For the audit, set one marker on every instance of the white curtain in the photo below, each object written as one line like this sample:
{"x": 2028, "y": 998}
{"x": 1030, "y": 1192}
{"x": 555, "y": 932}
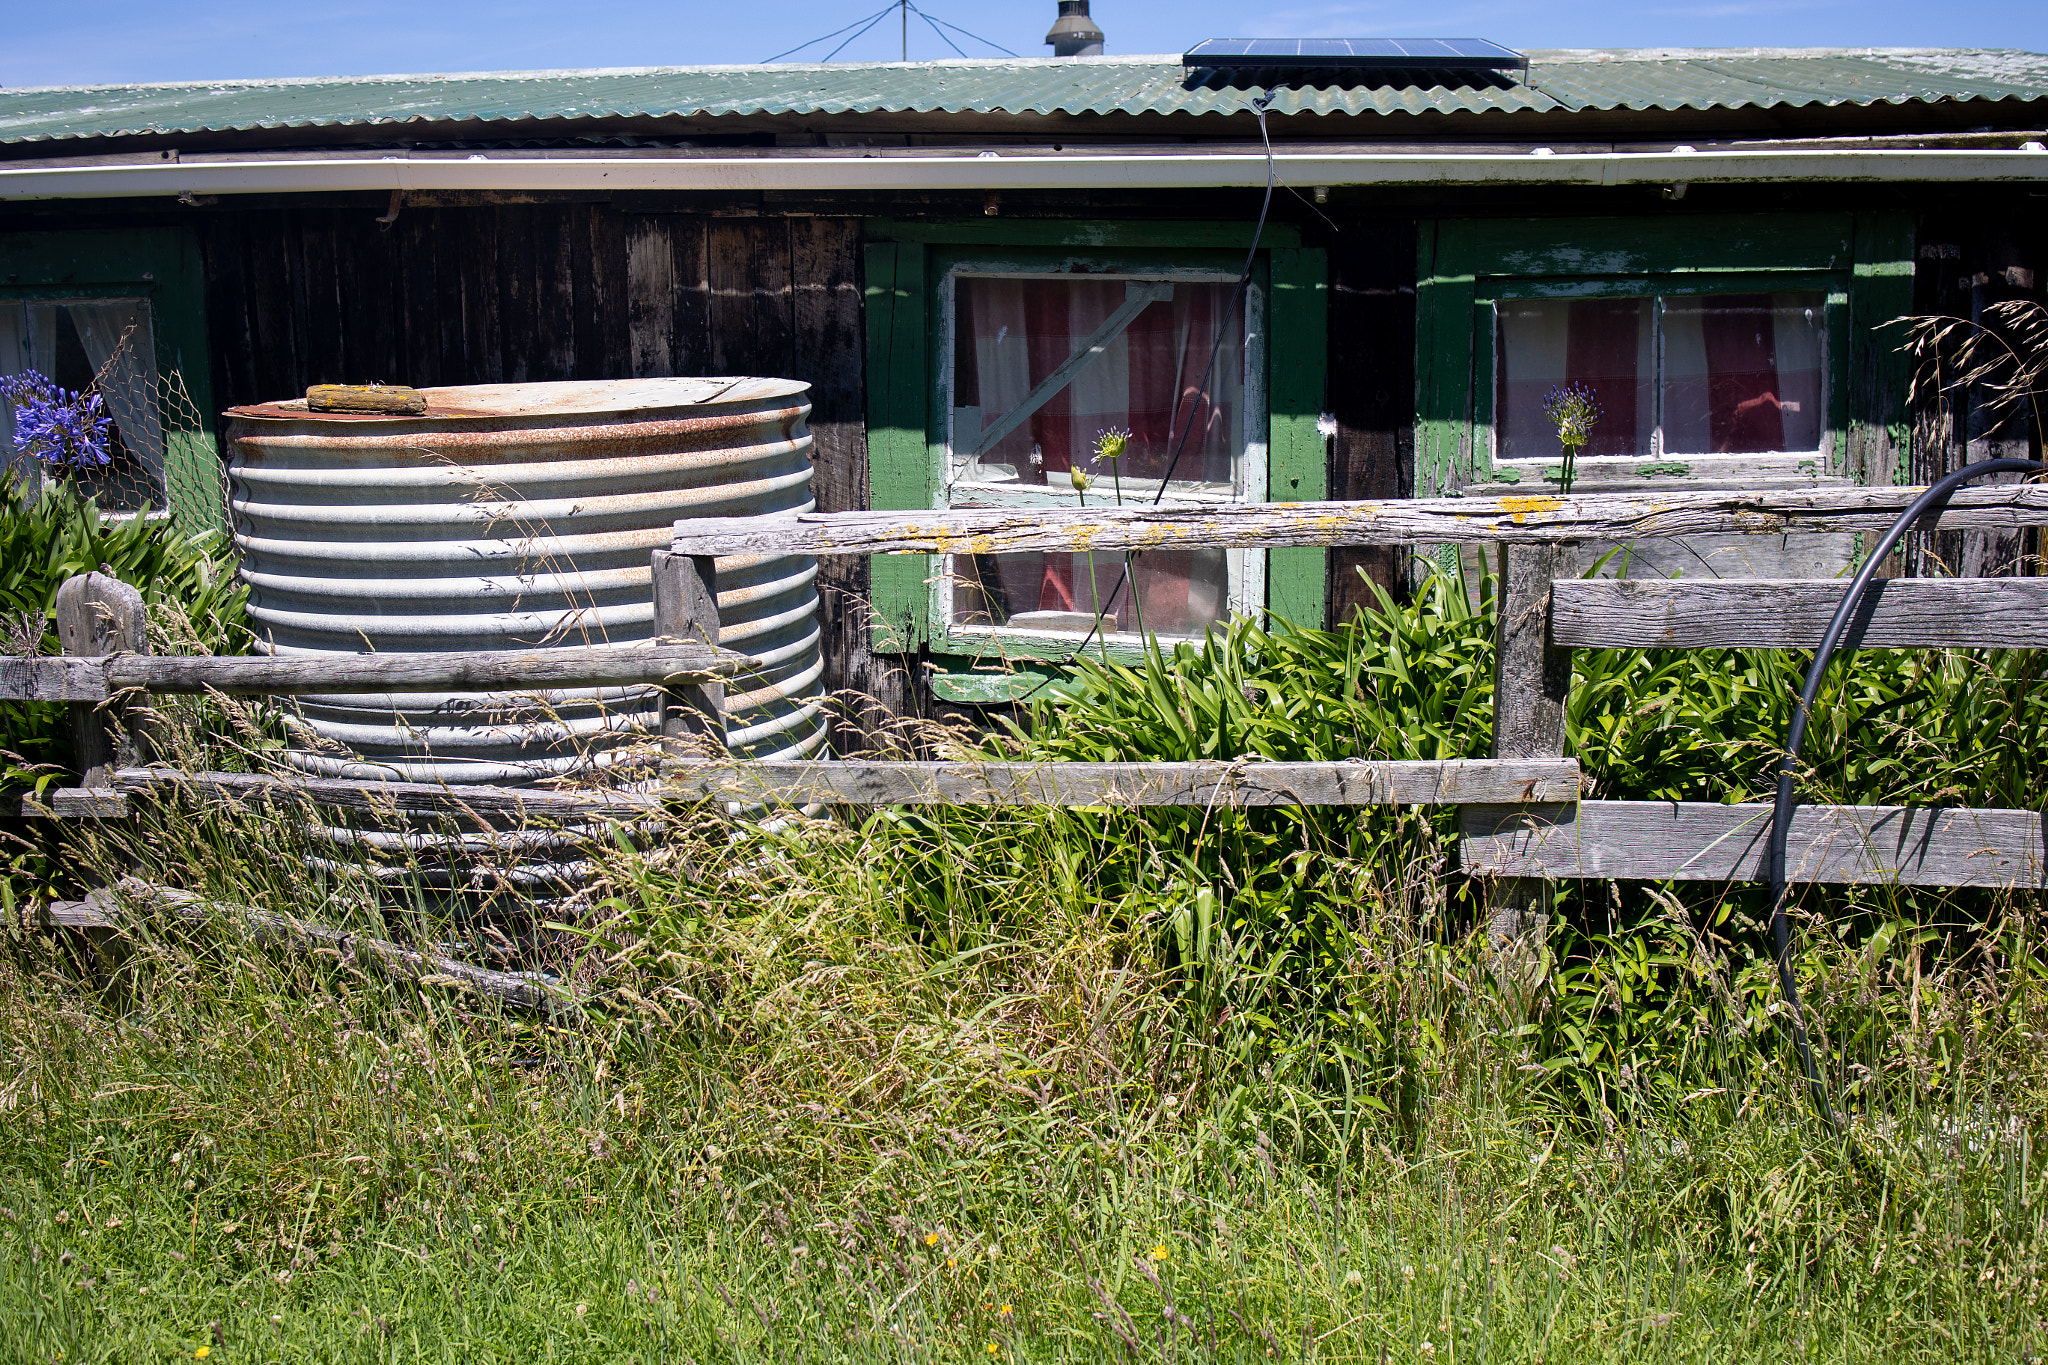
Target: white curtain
{"x": 1014, "y": 333}
{"x": 117, "y": 340}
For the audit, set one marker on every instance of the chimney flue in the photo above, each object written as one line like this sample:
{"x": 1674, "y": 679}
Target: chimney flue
{"x": 1074, "y": 34}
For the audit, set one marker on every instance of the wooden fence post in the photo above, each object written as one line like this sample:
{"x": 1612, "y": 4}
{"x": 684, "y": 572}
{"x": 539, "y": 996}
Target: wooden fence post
{"x": 1531, "y": 677}
{"x": 686, "y": 608}
{"x": 99, "y": 615}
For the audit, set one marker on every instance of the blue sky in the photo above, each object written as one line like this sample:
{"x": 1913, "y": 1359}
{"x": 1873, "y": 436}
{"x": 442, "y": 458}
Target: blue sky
{"x": 139, "y": 40}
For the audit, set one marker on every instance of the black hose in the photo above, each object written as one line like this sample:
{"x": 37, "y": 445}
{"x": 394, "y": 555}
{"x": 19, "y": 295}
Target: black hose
{"x": 1930, "y": 502}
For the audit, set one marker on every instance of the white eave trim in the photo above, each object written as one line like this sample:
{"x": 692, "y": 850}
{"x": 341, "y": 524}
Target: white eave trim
{"x": 975, "y": 172}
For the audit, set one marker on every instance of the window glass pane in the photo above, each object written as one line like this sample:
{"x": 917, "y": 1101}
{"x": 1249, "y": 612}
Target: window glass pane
{"x": 104, "y": 344}
{"x": 1179, "y": 592}
{"x": 1743, "y": 373}
{"x": 1013, "y": 336}
{"x": 1605, "y": 344}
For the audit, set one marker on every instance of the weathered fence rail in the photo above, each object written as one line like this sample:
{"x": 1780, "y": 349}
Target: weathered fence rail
{"x": 1701, "y": 841}
{"x": 1353, "y": 782}
{"x": 1522, "y": 819}
{"x": 1529, "y": 519}
{"x": 1790, "y": 613}
{"x": 69, "y": 678}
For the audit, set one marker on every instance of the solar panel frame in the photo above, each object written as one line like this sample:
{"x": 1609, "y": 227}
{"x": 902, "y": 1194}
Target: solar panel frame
{"x": 1356, "y": 54}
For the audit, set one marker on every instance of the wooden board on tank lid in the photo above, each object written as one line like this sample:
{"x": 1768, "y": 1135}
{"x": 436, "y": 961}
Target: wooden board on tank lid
{"x": 388, "y": 400}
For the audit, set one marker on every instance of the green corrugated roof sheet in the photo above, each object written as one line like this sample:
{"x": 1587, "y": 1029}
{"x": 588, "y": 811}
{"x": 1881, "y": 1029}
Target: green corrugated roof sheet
{"x": 1559, "y": 81}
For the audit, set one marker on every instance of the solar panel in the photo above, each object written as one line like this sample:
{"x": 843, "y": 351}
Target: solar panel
{"x": 1357, "y": 54}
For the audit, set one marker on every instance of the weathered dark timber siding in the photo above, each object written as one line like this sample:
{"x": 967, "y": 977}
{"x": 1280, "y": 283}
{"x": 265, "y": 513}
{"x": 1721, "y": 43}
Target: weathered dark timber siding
{"x": 1371, "y": 389}
{"x": 1967, "y": 260}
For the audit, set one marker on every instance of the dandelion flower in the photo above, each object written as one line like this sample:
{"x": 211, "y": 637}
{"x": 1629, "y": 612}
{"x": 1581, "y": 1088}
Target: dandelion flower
{"x": 993, "y": 1349}
{"x": 1004, "y": 1311}
{"x": 931, "y": 1239}
{"x": 1161, "y": 1252}
{"x": 952, "y": 1263}
{"x": 202, "y": 1353}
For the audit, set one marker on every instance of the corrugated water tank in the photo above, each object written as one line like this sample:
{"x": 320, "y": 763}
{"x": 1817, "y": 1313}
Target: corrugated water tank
{"x": 514, "y": 516}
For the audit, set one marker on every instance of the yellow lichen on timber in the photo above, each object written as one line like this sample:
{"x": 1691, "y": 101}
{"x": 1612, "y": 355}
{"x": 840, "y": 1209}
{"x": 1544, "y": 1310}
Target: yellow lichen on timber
{"x": 1084, "y": 536}
{"x": 945, "y": 542}
{"x": 1518, "y": 508}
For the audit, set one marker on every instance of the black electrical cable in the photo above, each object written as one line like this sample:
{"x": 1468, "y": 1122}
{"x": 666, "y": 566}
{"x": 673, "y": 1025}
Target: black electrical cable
{"x": 1928, "y": 503}
{"x": 1244, "y": 282}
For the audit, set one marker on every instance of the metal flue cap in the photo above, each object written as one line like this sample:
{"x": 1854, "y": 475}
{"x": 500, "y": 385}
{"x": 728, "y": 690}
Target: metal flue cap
{"x": 1074, "y": 34}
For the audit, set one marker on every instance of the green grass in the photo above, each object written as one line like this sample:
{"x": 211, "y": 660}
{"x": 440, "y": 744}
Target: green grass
{"x": 788, "y": 1090}
{"x": 1168, "y": 1086}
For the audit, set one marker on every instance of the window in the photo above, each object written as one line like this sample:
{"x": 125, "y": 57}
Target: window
{"x": 1674, "y": 376}
{"x": 998, "y": 353}
{"x": 102, "y": 344}
{"x": 1042, "y": 367}
{"x": 1721, "y": 349}
{"x": 125, "y": 312}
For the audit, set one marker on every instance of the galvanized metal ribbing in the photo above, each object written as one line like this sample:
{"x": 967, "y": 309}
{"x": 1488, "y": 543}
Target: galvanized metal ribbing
{"x": 522, "y": 515}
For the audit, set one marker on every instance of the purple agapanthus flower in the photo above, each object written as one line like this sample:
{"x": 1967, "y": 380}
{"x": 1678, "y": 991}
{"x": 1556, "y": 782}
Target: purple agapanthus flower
{"x": 61, "y": 428}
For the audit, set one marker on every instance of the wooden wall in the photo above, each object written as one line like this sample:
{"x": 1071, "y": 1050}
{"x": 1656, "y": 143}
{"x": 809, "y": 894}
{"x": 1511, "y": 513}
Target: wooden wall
{"x": 1968, "y": 259}
{"x": 1371, "y": 389}
{"x": 566, "y": 290}
{"x": 526, "y": 292}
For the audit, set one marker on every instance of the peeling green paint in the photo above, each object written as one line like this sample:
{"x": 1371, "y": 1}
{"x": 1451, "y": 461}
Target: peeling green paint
{"x": 990, "y": 689}
{"x": 1664, "y": 468}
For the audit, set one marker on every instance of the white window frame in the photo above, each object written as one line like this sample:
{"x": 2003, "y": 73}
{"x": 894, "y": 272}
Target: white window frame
{"x": 1751, "y": 470}
{"x": 1246, "y": 568}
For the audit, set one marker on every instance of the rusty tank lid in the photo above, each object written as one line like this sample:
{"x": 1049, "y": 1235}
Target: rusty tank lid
{"x": 606, "y": 398}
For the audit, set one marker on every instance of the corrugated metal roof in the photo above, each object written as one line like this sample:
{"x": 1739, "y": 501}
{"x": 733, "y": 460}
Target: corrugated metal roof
{"x": 1561, "y": 81}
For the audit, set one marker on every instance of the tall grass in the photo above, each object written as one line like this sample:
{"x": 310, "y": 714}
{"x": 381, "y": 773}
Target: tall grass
{"x": 1057, "y": 1084}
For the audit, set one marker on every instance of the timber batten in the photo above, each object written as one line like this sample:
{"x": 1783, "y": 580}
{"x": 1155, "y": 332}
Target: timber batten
{"x": 1704, "y": 841}
{"x": 1542, "y": 519}
{"x": 1764, "y": 613}
{"x": 84, "y": 679}
{"x": 852, "y": 782}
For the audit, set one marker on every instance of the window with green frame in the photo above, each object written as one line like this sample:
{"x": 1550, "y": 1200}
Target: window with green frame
{"x": 123, "y": 311}
{"x": 1000, "y": 352}
{"x": 1722, "y": 351}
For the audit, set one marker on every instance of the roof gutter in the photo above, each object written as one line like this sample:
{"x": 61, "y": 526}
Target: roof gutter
{"x": 990, "y": 171}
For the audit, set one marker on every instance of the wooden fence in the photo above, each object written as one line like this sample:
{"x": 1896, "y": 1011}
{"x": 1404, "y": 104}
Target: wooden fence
{"x": 1520, "y": 814}
{"x": 1519, "y": 810}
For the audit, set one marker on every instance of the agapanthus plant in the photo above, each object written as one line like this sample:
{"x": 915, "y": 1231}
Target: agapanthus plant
{"x": 1573, "y": 409}
{"x": 56, "y": 426}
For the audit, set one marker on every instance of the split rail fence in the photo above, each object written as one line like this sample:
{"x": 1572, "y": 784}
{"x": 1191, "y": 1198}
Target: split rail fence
{"x": 1520, "y": 810}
